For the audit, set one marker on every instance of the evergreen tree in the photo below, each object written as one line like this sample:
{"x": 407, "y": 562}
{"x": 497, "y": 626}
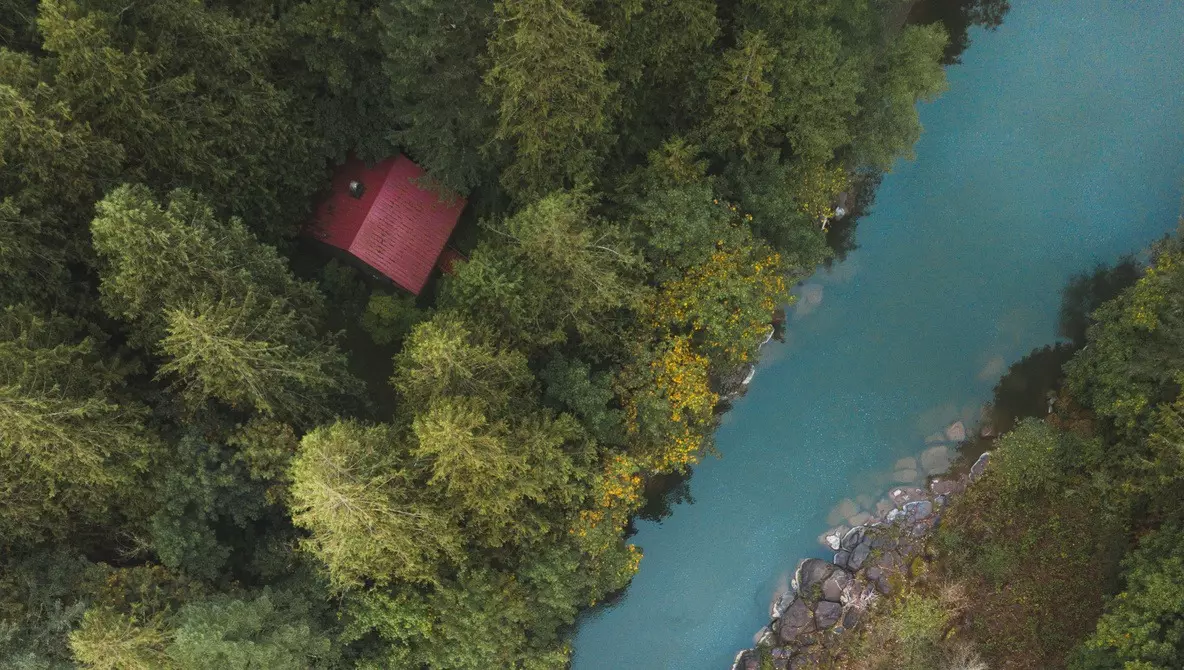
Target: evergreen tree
{"x": 552, "y": 94}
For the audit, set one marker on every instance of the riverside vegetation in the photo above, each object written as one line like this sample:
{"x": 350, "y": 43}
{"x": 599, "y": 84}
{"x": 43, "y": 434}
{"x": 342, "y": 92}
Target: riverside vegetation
{"x": 204, "y": 463}
{"x": 1068, "y": 552}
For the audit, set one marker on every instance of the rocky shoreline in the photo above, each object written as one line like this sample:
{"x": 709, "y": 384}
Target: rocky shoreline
{"x": 873, "y": 555}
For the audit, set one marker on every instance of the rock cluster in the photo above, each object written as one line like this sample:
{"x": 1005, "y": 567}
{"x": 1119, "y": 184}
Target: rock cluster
{"x": 828, "y": 597}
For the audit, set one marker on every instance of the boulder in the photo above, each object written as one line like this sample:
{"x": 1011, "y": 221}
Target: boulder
{"x": 865, "y": 501}
{"x": 827, "y": 614}
{"x": 936, "y": 460}
{"x": 796, "y": 621}
{"x": 918, "y": 510}
{"x": 852, "y": 538}
{"x": 851, "y": 618}
{"x": 831, "y": 538}
{"x": 764, "y": 636}
{"x": 841, "y": 558}
{"x": 859, "y": 555}
{"x": 980, "y": 466}
{"x": 956, "y": 432}
{"x": 905, "y": 476}
{"x": 781, "y": 604}
{"x": 884, "y": 506}
{"x": 832, "y": 588}
{"x": 810, "y": 575}
{"x": 907, "y": 463}
{"x": 935, "y": 438}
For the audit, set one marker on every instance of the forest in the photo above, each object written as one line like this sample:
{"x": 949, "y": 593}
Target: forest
{"x": 222, "y": 448}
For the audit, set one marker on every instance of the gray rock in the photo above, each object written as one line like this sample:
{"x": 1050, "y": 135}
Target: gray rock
{"x": 859, "y": 555}
{"x": 841, "y": 558}
{"x": 883, "y": 507}
{"x": 811, "y": 573}
{"x": 936, "y": 460}
{"x": 873, "y": 573}
{"x": 852, "y": 538}
{"x": 797, "y": 621}
{"x": 782, "y": 603}
{"x": 851, "y": 618}
{"x": 764, "y": 636}
{"x": 980, "y": 466}
{"x": 833, "y": 537}
{"x": 956, "y": 432}
{"x": 906, "y": 463}
{"x": 827, "y": 614}
{"x": 906, "y": 476}
{"x": 883, "y": 585}
{"x": 832, "y": 588}
{"x": 918, "y": 510}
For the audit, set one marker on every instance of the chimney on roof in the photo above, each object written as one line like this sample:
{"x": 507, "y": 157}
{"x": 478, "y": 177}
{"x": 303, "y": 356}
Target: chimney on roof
{"x": 356, "y": 188}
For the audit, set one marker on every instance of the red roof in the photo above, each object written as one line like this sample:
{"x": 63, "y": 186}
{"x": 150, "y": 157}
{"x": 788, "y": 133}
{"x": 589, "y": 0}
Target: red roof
{"x": 396, "y": 227}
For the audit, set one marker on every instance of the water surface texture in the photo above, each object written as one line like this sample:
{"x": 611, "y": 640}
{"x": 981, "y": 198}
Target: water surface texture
{"x": 1059, "y": 144}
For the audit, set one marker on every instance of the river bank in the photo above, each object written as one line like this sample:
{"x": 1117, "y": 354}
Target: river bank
{"x": 958, "y": 273}
{"x": 874, "y": 555}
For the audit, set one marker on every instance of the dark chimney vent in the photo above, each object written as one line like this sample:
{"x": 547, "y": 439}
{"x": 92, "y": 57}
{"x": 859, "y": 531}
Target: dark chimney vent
{"x": 356, "y": 188}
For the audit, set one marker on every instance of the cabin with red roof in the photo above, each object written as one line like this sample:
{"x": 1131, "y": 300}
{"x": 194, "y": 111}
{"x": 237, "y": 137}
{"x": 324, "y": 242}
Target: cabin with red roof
{"x": 384, "y": 217}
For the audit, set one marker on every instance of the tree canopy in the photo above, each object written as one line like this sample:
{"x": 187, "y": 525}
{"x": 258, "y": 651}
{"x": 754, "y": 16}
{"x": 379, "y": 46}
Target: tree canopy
{"x": 222, "y": 448}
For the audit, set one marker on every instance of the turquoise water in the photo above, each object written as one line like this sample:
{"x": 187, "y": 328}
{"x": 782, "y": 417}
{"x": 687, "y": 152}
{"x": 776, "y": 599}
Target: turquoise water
{"x": 1059, "y": 144}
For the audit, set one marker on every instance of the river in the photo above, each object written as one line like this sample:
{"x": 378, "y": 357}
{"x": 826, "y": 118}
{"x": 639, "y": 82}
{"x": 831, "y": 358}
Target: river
{"x": 1060, "y": 144}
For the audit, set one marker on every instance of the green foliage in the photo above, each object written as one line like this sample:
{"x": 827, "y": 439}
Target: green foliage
{"x": 1143, "y": 627}
{"x": 362, "y": 511}
{"x": 909, "y": 72}
{"x": 433, "y": 52}
{"x": 41, "y": 600}
{"x": 185, "y": 93}
{"x": 572, "y": 386}
{"x": 73, "y": 447}
{"x": 235, "y": 323}
{"x": 388, "y": 318}
{"x": 553, "y": 270}
{"x": 253, "y": 355}
{"x": 620, "y": 270}
{"x": 203, "y": 488}
{"x": 918, "y": 624}
{"x": 548, "y": 82}
{"x": 743, "y": 109}
{"x": 1132, "y": 361}
{"x": 162, "y": 258}
{"x": 262, "y": 631}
